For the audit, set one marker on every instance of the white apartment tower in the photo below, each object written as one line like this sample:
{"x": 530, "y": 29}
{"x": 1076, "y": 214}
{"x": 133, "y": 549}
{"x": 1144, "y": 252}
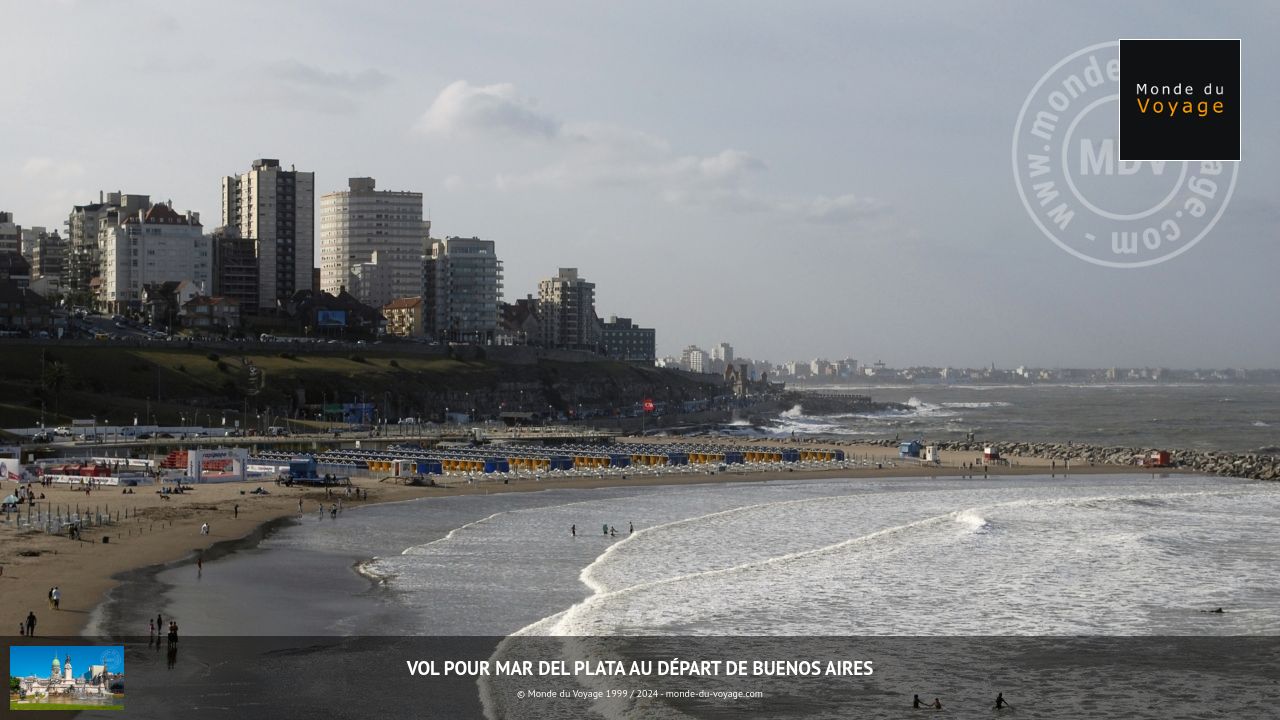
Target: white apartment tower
{"x": 276, "y": 209}
{"x": 371, "y": 242}
{"x": 154, "y": 246}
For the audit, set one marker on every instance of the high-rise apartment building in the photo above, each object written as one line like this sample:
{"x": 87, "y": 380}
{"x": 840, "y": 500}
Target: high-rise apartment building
{"x": 275, "y": 208}
{"x": 45, "y": 251}
{"x": 85, "y": 227}
{"x": 235, "y": 268}
{"x": 568, "y": 307}
{"x": 371, "y": 242}
{"x": 152, "y": 247}
{"x": 462, "y": 289}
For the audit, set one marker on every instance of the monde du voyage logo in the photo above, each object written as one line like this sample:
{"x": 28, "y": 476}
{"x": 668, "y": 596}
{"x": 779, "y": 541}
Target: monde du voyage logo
{"x": 1129, "y": 169}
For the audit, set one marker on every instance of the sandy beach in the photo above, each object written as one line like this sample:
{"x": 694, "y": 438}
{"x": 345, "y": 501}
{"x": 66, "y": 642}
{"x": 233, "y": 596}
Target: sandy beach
{"x": 155, "y": 531}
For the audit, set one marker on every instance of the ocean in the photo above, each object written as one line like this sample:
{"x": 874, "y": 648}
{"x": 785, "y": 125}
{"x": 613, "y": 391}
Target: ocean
{"x": 1227, "y": 417}
{"x": 1024, "y": 555}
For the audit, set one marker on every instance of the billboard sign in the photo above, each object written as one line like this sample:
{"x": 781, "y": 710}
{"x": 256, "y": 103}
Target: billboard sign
{"x": 331, "y": 318}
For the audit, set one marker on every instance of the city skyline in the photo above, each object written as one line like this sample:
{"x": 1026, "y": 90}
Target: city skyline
{"x": 801, "y": 192}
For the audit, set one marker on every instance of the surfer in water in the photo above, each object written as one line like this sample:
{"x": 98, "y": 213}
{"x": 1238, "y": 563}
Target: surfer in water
{"x": 937, "y": 704}
{"x": 916, "y": 703}
{"x": 1000, "y": 703}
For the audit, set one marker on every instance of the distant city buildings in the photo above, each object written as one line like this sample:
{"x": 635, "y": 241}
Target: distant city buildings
{"x": 462, "y": 290}
{"x": 275, "y": 208}
{"x": 371, "y": 242}
{"x": 695, "y": 359}
{"x": 722, "y": 352}
{"x": 151, "y": 247}
{"x": 567, "y": 306}
{"x": 379, "y": 270}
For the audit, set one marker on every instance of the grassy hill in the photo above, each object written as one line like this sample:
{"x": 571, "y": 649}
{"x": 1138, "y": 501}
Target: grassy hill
{"x": 117, "y": 383}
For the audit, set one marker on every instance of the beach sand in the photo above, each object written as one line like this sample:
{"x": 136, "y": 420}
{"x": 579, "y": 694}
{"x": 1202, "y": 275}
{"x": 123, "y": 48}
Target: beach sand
{"x": 159, "y": 531}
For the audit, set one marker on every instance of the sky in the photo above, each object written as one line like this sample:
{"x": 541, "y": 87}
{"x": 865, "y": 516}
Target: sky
{"x": 38, "y": 659}
{"x": 818, "y": 179}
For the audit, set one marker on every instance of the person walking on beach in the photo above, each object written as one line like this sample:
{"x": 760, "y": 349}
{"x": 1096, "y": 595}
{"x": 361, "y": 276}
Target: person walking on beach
{"x": 1000, "y": 703}
{"x": 299, "y": 506}
{"x": 151, "y": 631}
{"x": 204, "y": 529}
{"x": 50, "y": 598}
{"x": 236, "y": 511}
{"x": 56, "y": 594}
{"x": 31, "y": 624}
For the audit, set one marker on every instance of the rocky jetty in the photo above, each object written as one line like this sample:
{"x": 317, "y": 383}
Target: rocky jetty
{"x": 835, "y": 403}
{"x": 1257, "y": 466}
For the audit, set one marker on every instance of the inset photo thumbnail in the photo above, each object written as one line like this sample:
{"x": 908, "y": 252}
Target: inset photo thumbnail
{"x": 66, "y": 677}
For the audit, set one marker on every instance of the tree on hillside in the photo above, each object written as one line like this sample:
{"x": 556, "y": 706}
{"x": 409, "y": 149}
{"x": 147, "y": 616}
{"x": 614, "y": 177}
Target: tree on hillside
{"x": 54, "y": 378}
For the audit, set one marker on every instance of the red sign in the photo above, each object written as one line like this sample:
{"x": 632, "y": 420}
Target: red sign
{"x": 648, "y": 405}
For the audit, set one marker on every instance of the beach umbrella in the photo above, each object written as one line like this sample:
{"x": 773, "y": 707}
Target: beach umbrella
{"x": 11, "y": 500}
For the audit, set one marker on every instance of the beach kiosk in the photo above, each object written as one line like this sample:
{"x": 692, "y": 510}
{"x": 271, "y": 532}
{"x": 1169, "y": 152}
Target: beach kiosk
{"x": 990, "y": 454}
{"x": 909, "y": 449}
{"x": 931, "y": 454}
{"x": 1159, "y": 458}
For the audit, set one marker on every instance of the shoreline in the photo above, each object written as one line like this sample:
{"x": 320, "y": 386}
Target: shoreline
{"x": 89, "y": 571}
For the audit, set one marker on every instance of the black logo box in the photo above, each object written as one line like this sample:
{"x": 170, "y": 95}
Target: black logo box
{"x": 1184, "y": 64}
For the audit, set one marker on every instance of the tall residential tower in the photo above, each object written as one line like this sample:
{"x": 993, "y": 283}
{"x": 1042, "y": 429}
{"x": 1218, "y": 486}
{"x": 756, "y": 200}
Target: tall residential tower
{"x": 275, "y": 208}
{"x": 371, "y": 242}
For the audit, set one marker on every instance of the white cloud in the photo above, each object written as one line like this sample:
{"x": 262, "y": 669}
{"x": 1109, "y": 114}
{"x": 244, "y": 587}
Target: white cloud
{"x": 463, "y": 108}
{"x": 588, "y": 155}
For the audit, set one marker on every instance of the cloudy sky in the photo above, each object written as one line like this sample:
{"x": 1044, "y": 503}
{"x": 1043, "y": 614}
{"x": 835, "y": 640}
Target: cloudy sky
{"x": 799, "y": 179}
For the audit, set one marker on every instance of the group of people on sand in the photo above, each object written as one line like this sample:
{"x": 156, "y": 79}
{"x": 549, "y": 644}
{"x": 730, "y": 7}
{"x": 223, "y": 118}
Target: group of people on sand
{"x": 919, "y": 704}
